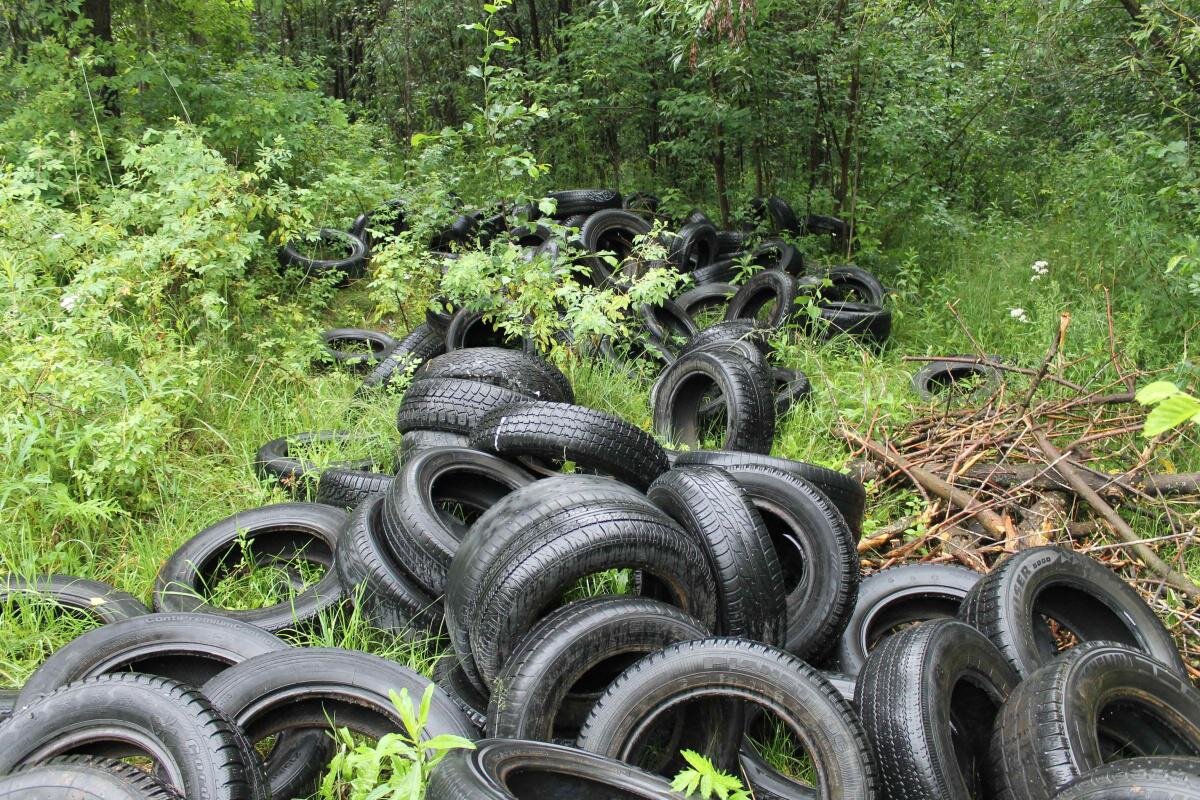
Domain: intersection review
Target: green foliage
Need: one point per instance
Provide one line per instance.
(703, 780)
(397, 766)
(1170, 407)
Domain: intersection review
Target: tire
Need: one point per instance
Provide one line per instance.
(352, 265)
(285, 531)
(836, 229)
(854, 284)
(695, 245)
(710, 505)
(730, 242)
(1080, 594)
(336, 339)
(385, 594)
(438, 315)
(896, 598)
(778, 255)
(520, 372)
(929, 697)
(197, 751)
(573, 654)
(468, 329)
(643, 202)
(420, 345)
(706, 296)
(872, 324)
(274, 461)
(421, 532)
(768, 288)
(8, 702)
(532, 573)
(846, 492)
(316, 689)
(610, 231)
(936, 377)
(346, 488)
(734, 669)
(557, 432)
(449, 675)
(1094, 703)
(1154, 778)
(415, 441)
(453, 405)
(816, 551)
(502, 769)
(680, 393)
(542, 504)
(791, 387)
(190, 649)
(94, 599)
(776, 213)
(668, 321)
(723, 270)
(720, 334)
(84, 778)
(583, 201)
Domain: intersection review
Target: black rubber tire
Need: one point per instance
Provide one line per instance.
(352, 265)
(449, 675)
(668, 321)
(438, 315)
(542, 504)
(1151, 778)
(191, 649)
(723, 270)
(694, 246)
(681, 391)
(583, 201)
(1079, 593)
(421, 533)
(931, 380)
(335, 339)
(453, 405)
(846, 492)
(734, 669)
(84, 778)
(778, 255)
(730, 242)
(528, 577)
(709, 504)
(286, 531)
(521, 372)
(592, 640)
(775, 213)
(197, 750)
(413, 442)
(895, 598)
(816, 550)
(720, 334)
(386, 595)
(8, 702)
(791, 387)
(469, 330)
(556, 432)
(1057, 724)
(854, 284)
(771, 286)
(706, 296)
(837, 229)
(274, 462)
(421, 344)
(610, 231)
(872, 324)
(504, 769)
(346, 488)
(315, 689)
(93, 599)
(929, 697)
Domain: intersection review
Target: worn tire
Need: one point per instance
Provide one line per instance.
(274, 460)
(346, 488)
(198, 752)
(668, 321)
(469, 330)
(1151, 778)
(709, 504)
(791, 387)
(929, 697)
(353, 265)
(706, 296)
(556, 432)
(419, 530)
(449, 675)
(679, 395)
(563, 664)
(335, 340)
(778, 255)
(610, 231)
(453, 405)
(893, 599)
(870, 323)
(521, 372)
(722, 669)
(771, 287)
(286, 531)
(421, 344)
(415, 441)
(723, 270)
(583, 201)
(94, 599)
(1080, 594)
(931, 380)
(854, 284)
(721, 334)
(694, 246)
(84, 778)
(1097, 697)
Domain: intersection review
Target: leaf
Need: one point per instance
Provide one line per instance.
(1156, 392)
(1171, 412)
(448, 741)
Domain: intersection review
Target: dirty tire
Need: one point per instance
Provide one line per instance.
(1152, 778)
(346, 488)
(705, 297)
(420, 345)
(448, 674)
(84, 778)
(769, 288)
(336, 340)
(681, 391)
(274, 460)
(93, 599)
(453, 405)
(521, 372)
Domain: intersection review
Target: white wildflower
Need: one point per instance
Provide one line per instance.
(1018, 314)
(1040, 270)
(69, 301)
(57, 235)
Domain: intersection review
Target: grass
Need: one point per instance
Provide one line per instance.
(956, 295)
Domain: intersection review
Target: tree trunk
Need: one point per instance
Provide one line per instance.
(534, 31)
(99, 12)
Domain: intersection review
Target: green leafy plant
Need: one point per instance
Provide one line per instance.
(704, 780)
(1170, 407)
(397, 766)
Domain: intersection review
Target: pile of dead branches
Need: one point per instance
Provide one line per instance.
(1044, 460)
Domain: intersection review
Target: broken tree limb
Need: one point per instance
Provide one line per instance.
(888, 532)
(1064, 320)
(991, 521)
(1037, 476)
(1118, 525)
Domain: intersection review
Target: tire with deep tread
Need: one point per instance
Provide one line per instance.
(420, 345)
(453, 405)
(679, 395)
(771, 286)
(1151, 778)
(518, 371)
(84, 778)
(346, 488)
